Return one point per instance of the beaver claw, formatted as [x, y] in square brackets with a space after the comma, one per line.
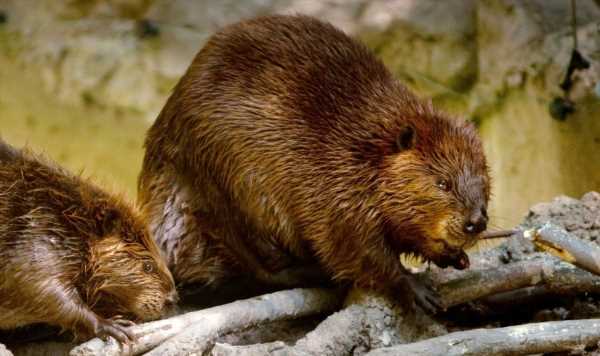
[115, 327]
[424, 294]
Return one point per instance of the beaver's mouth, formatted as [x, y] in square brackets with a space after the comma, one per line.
[451, 257]
[438, 251]
[458, 260]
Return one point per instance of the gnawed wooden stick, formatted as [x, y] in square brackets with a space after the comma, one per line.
[558, 242]
[553, 336]
[198, 330]
[475, 284]
[555, 275]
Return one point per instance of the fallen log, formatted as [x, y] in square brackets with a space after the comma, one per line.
[553, 336]
[198, 330]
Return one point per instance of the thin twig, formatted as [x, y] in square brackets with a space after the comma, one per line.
[498, 234]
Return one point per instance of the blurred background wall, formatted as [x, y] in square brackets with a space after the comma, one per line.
[83, 79]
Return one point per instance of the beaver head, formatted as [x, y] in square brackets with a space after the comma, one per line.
[126, 273]
[434, 188]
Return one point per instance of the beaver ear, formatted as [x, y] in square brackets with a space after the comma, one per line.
[405, 139]
[109, 220]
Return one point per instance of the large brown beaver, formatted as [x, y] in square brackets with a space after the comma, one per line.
[72, 255]
[287, 140]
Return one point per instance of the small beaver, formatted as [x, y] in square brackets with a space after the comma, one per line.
[286, 140]
[73, 256]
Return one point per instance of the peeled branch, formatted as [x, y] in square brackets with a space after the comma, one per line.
[535, 338]
[556, 241]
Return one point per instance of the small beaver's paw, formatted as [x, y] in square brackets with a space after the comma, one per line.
[424, 294]
[116, 327]
[120, 320]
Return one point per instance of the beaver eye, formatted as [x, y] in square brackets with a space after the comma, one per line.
[443, 185]
[148, 267]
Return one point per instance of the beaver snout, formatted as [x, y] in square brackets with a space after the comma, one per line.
[172, 299]
[459, 261]
[476, 222]
[170, 305]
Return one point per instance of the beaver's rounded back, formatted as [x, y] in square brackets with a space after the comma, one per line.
[286, 140]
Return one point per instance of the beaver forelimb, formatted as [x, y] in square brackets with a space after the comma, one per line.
[116, 327]
[424, 294]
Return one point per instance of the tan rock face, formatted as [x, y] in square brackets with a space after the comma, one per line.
[499, 62]
[523, 54]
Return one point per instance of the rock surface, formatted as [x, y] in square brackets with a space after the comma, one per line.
[498, 62]
[579, 217]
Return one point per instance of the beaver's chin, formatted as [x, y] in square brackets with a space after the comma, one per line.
[458, 260]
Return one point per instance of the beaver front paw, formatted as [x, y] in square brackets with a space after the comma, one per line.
[424, 294]
[116, 327]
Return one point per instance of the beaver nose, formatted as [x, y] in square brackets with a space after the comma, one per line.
[170, 307]
[477, 222]
[172, 299]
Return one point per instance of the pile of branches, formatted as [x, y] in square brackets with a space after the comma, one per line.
[533, 293]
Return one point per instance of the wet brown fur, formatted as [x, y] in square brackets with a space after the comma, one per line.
[72, 255]
[281, 144]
